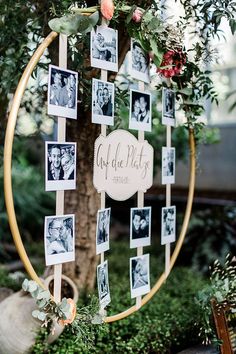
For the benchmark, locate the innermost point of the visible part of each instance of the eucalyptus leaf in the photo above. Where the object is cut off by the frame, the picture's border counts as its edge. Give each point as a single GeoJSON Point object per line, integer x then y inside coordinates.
{"type": "Point", "coordinates": [25, 285]}
{"type": "Point", "coordinates": [42, 316]}
{"type": "Point", "coordinates": [35, 313]}
{"type": "Point", "coordinates": [41, 303]}
{"type": "Point", "coordinates": [45, 294]}
{"type": "Point", "coordinates": [32, 286]}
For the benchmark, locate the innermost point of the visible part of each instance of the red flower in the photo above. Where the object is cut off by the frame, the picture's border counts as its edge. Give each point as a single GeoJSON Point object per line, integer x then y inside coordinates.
{"type": "Point", "coordinates": [107, 9]}
{"type": "Point", "coordinates": [137, 15]}
{"type": "Point", "coordinates": [173, 61]}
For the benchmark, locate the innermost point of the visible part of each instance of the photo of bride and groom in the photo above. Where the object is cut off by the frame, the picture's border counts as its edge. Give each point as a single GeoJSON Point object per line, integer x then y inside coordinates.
{"type": "Point", "coordinates": [103, 102]}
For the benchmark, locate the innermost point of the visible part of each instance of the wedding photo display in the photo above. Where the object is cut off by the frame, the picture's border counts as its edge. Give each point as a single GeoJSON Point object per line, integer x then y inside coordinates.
{"type": "Point", "coordinates": [140, 111]}
{"type": "Point", "coordinates": [59, 239]}
{"type": "Point", "coordinates": [168, 107]}
{"type": "Point", "coordinates": [139, 62]}
{"type": "Point", "coordinates": [62, 92]}
{"type": "Point", "coordinates": [168, 222]}
{"type": "Point", "coordinates": [103, 102]}
{"type": "Point", "coordinates": [168, 165]}
{"type": "Point", "coordinates": [103, 284]}
{"type": "Point", "coordinates": [103, 229]}
{"type": "Point", "coordinates": [139, 275]}
{"type": "Point", "coordinates": [140, 227]}
{"type": "Point", "coordinates": [104, 48]}
{"type": "Point", "coordinates": [60, 166]}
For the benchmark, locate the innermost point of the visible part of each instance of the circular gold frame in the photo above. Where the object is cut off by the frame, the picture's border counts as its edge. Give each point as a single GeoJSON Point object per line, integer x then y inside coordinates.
{"type": "Point", "coordinates": [9, 195]}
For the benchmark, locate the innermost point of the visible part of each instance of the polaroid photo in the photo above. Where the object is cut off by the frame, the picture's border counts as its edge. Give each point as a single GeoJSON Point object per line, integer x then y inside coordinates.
{"type": "Point", "coordinates": [60, 166]}
{"type": "Point", "coordinates": [59, 239]}
{"type": "Point", "coordinates": [140, 114]}
{"type": "Point", "coordinates": [168, 225]}
{"type": "Point", "coordinates": [139, 275]}
{"type": "Point", "coordinates": [140, 227]}
{"type": "Point", "coordinates": [103, 284]}
{"type": "Point", "coordinates": [138, 62]}
{"type": "Point", "coordinates": [103, 230]}
{"type": "Point", "coordinates": [104, 48]}
{"type": "Point", "coordinates": [62, 92]}
{"type": "Point", "coordinates": [168, 165]}
{"type": "Point", "coordinates": [103, 94]}
{"type": "Point", "coordinates": [168, 107]}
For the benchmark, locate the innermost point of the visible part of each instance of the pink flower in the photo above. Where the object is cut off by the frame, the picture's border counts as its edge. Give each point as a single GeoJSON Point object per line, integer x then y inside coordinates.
{"type": "Point", "coordinates": [107, 9]}
{"type": "Point", "coordinates": [174, 61]}
{"type": "Point", "coordinates": [137, 15]}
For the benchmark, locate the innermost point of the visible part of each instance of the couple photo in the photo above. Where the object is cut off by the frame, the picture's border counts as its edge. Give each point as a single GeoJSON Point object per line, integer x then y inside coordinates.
{"type": "Point", "coordinates": [62, 92]}
{"type": "Point", "coordinates": [139, 275]}
{"type": "Point", "coordinates": [168, 225]}
{"type": "Point", "coordinates": [168, 165]}
{"type": "Point", "coordinates": [103, 284]}
{"type": "Point", "coordinates": [103, 228]}
{"type": "Point", "coordinates": [140, 227]}
{"type": "Point", "coordinates": [168, 107]}
{"type": "Point", "coordinates": [139, 68]}
{"type": "Point", "coordinates": [140, 110]}
{"type": "Point", "coordinates": [104, 51]}
{"type": "Point", "coordinates": [59, 239]}
{"type": "Point", "coordinates": [60, 165]}
{"type": "Point", "coordinates": [103, 102]}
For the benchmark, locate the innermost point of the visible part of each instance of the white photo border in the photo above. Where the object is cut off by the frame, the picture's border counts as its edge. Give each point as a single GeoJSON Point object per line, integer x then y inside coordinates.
{"type": "Point", "coordinates": [99, 63]}
{"type": "Point", "coordinates": [61, 257]}
{"type": "Point", "coordinates": [142, 290]}
{"type": "Point", "coordinates": [167, 179]}
{"type": "Point", "coordinates": [143, 241]}
{"type": "Point", "coordinates": [140, 125]}
{"type": "Point", "coordinates": [102, 119]}
{"type": "Point", "coordinates": [145, 77]}
{"type": "Point", "coordinates": [172, 237]}
{"type": "Point", "coordinates": [61, 111]}
{"type": "Point", "coordinates": [104, 246]}
{"type": "Point", "coordinates": [106, 299]}
{"type": "Point", "coordinates": [166, 119]}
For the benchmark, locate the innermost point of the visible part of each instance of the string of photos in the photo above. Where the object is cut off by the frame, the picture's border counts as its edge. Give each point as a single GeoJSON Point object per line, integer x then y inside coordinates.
{"type": "Point", "coordinates": [123, 164]}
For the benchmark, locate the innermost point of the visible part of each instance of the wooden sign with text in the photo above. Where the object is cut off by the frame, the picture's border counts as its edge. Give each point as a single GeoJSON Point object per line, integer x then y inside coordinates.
{"type": "Point", "coordinates": [122, 165]}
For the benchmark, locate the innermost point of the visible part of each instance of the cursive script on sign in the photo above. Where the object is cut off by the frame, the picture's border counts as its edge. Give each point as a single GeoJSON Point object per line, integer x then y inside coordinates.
{"type": "Point", "coordinates": [122, 165]}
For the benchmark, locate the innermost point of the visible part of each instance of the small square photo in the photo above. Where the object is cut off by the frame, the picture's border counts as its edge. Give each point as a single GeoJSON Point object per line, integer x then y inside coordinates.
{"type": "Point", "coordinates": [168, 107]}
{"type": "Point", "coordinates": [103, 102]}
{"type": "Point", "coordinates": [140, 227]}
{"type": "Point", "coordinates": [103, 284]}
{"type": "Point", "coordinates": [140, 116]}
{"type": "Point", "coordinates": [59, 239]}
{"type": "Point", "coordinates": [103, 230]}
{"type": "Point", "coordinates": [139, 62]}
{"type": "Point", "coordinates": [62, 92]}
{"type": "Point", "coordinates": [60, 166]}
{"type": "Point", "coordinates": [168, 225]}
{"type": "Point", "coordinates": [168, 165]}
{"type": "Point", "coordinates": [139, 275]}
{"type": "Point", "coordinates": [104, 48]}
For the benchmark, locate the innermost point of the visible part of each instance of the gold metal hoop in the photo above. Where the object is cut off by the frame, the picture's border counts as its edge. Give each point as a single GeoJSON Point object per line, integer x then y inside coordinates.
{"type": "Point", "coordinates": [9, 195]}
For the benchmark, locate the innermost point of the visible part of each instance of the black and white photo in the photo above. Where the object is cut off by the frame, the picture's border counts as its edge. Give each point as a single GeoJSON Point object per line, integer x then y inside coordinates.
{"type": "Point", "coordinates": [103, 230]}
{"type": "Point", "coordinates": [59, 239]}
{"type": "Point", "coordinates": [140, 227]}
{"type": "Point", "coordinates": [103, 284]}
{"type": "Point", "coordinates": [103, 102]}
{"type": "Point", "coordinates": [139, 275]}
{"type": "Point", "coordinates": [168, 107]}
{"type": "Point", "coordinates": [168, 222]}
{"type": "Point", "coordinates": [60, 166]}
{"type": "Point", "coordinates": [139, 62]}
{"type": "Point", "coordinates": [62, 92]}
{"type": "Point", "coordinates": [168, 165]}
{"type": "Point", "coordinates": [104, 48]}
{"type": "Point", "coordinates": [140, 117]}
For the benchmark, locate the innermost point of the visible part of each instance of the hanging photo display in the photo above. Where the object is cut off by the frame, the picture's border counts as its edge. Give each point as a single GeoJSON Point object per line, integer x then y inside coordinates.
{"type": "Point", "coordinates": [62, 92]}
{"type": "Point", "coordinates": [103, 284]}
{"type": "Point", "coordinates": [104, 48]}
{"type": "Point", "coordinates": [59, 239]}
{"type": "Point", "coordinates": [60, 166]}
{"type": "Point", "coordinates": [168, 107]}
{"type": "Point", "coordinates": [168, 223]}
{"type": "Point", "coordinates": [139, 62]}
{"type": "Point", "coordinates": [140, 227]}
{"type": "Point", "coordinates": [168, 165]}
{"type": "Point", "coordinates": [140, 116]}
{"type": "Point", "coordinates": [103, 230]}
{"type": "Point", "coordinates": [122, 165]}
{"type": "Point", "coordinates": [103, 102]}
{"type": "Point", "coordinates": [139, 275]}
